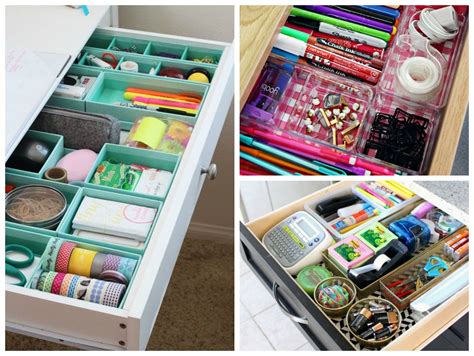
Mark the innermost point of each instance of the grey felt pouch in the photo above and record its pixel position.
(80, 129)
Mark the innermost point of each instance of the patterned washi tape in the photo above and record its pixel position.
(113, 294)
(49, 262)
(41, 280)
(95, 290)
(81, 287)
(111, 262)
(72, 286)
(58, 280)
(66, 283)
(127, 266)
(35, 279)
(64, 255)
(48, 283)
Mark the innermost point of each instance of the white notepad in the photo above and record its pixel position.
(114, 218)
(113, 239)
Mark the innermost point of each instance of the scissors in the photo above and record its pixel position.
(12, 267)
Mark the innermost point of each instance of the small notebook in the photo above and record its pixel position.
(114, 218)
(116, 240)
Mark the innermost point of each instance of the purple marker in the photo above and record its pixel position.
(346, 16)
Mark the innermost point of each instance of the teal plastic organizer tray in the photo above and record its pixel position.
(67, 231)
(127, 155)
(38, 242)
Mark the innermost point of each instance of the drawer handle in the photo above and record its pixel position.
(284, 308)
(211, 171)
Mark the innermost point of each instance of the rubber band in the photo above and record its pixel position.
(107, 55)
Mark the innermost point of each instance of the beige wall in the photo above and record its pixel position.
(216, 204)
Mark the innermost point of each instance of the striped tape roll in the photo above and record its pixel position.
(48, 282)
(66, 283)
(41, 280)
(64, 255)
(72, 286)
(58, 280)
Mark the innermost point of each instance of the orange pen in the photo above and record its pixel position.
(282, 163)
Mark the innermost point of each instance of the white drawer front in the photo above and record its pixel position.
(92, 325)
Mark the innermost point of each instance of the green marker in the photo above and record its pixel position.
(341, 23)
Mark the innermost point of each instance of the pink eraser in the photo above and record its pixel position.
(421, 210)
(78, 164)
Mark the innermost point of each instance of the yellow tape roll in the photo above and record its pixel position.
(81, 262)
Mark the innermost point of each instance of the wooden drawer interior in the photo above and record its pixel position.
(414, 335)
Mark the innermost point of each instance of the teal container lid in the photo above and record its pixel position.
(310, 276)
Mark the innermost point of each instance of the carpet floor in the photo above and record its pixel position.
(197, 312)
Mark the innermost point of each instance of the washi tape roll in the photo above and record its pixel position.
(111, 262)
(48, 282)
(64, 255)
(129, 66)
(113, 294)
(66, 283)
(35, 278)
(41, 280)
(51, 251)
(72, 286)
(95, 290)
(126, 267)
(81, 287)
(58, 280)
(97, 265)
(81, 261)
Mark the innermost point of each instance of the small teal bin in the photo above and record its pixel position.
(71, 103)
(129, 45)
(166, 50)
(55, 144)
(185, 67)
(69, 191)
(100, 40)
(128, 155)
(38, 242)
(110, 89)
(197, 54)
(66, 231)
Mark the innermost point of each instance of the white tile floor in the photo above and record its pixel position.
(262, 325)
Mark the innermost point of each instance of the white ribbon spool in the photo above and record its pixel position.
(129, 66)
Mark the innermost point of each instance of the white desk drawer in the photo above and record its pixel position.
(320, 330)
(95, 326)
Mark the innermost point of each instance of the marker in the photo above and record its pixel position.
(378, 196)
(347, 34)
(325, 10)
(163, 102)
(251, 142)
(395, 189)
(383, 10)
(279, 162)
(372, 51)
(370, 197)
(298, 47)
(272, 168)
(330, 154)
(342, 24)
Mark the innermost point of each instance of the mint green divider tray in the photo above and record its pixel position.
(145, 63)
(160, 49)
(71, 192)
(71, 103)
(195, 54)
(66, 231)
(129, 155)
(112, 85)
(186, 66)
(32, 240)
(124, 44)
(39, 245)
(100, 40)
(55, 144)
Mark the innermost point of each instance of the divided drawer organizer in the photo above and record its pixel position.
(128, 326)
(292, 84)
(331, 332)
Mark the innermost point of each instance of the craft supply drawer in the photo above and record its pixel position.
(321, 331)
(260, 26)
(95, 326)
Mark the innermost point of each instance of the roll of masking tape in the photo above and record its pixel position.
(129, 66)
(81, 262)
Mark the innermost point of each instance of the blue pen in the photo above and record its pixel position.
(383, 10)
(249, 141)
(264, 164)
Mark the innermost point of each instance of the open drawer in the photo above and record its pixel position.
(95, 326)
(327, 333)
(264, 24)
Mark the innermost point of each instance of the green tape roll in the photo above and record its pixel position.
(309, 277)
